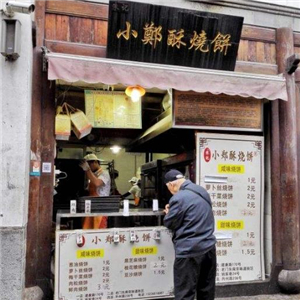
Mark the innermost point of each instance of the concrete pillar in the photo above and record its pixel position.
(289, 277)
(15, 116)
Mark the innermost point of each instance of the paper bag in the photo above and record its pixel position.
(62, 124)
(80, 124)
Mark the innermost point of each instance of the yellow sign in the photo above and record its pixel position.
(144, 250)
(230, 225)
(90, 253)
(233, 169)
(112, 110)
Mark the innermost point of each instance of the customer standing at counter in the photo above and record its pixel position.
(190, 217)
(99, 185)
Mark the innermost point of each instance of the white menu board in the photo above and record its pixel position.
(231, 168)
(124, 263)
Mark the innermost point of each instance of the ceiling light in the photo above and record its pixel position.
(115, 149)
(135, 92)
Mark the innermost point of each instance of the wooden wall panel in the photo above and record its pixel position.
(100, 30)
(62, 28)
(50, 27)
(75, 30)
(257, 52)
(78, 8)
(86, 31)
(252, 53)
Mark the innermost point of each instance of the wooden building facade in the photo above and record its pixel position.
(80, 28)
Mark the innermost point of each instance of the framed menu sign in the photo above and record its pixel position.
(125, 263)
(231, 169)
(222, 112)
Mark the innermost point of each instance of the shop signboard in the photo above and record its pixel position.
(105, 109)
(170, 35)
(124, 263)
(230, 167)
(222, 112)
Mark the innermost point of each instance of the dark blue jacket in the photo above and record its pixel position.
(191, 220)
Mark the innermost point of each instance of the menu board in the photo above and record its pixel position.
(205, 110)
(112, 110)
(230, 168)
(124, 263)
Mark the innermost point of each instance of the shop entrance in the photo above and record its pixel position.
(166, 137)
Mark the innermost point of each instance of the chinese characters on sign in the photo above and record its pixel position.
(103, 269)
(152, 36)
(168, 35)
(230, 167)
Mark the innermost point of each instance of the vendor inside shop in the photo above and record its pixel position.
(102, 159)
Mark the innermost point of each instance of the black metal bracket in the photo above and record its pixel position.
(292, 63)
(45, 60)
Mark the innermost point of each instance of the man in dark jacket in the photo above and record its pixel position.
(189, 215)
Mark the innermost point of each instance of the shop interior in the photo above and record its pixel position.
(146, 152)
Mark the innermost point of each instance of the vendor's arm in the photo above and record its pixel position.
(174, 216)
(126, 195)
(93, 178)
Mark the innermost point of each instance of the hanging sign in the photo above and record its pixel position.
(169, 35)
(222, 112)
(112, 110)
(230, 167)
(120, 263)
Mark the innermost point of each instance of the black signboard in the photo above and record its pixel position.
(168, 35)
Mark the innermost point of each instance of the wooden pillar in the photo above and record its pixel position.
(288, 169)
(276, 187)
(36, 125)
(297, 80)
(39, 227)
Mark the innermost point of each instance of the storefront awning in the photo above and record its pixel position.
(73, 68)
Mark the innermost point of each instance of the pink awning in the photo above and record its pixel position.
(73, 68)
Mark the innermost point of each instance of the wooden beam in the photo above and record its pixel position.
(261, 34)
(76, 48)
(257, 68)
(78, 8)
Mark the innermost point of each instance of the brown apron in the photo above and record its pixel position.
(94, 222)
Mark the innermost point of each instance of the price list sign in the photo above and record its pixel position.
(130, 263)
(230, 168)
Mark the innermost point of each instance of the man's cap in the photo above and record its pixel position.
(91, 156)
(173, 175)
(133, 179)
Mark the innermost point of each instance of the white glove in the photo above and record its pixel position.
(85, 166)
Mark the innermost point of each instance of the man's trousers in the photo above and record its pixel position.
(195, 275)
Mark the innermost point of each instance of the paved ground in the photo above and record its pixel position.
(264, 297)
